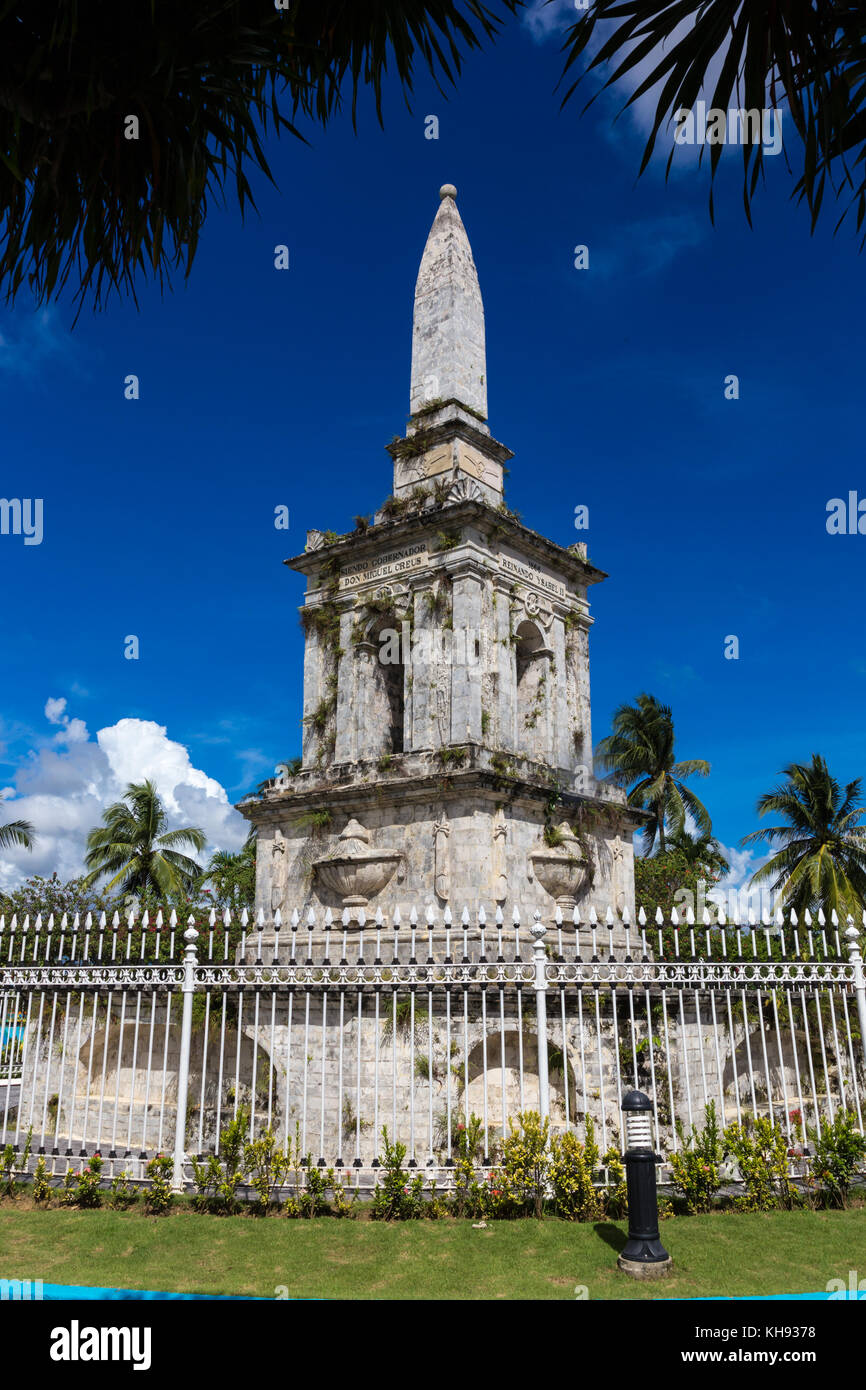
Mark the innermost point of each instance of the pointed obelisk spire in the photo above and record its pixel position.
(448, 351)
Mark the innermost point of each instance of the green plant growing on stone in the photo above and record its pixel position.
(695, 1167)
(838, 1149)
(448, 540)
(451, 757)
(399, 1018)
(323, 619)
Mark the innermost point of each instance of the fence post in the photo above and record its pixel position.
(538, 931)
(190, 961)
(854, 952)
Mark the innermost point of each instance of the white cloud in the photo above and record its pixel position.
(547, 19)
(54, 710)
(733, 891)
(64, 790)
(646, 248)
(71, 730)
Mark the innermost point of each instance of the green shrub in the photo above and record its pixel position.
(525, 1164)
(468, 1196)
(761, 1151)
(121, 1194)
(838, 1149)
(14, 1166)
(81, 1189)
(265, 1168)
(695, 1168)
(42, 1188)
(217, 1179)
(159, 1196)
(572, 1167)
(397, 1197)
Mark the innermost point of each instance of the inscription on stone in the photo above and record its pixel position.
(395, 562)
(533, 574)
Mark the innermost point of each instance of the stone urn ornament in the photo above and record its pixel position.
(354, 872)
(560, 868)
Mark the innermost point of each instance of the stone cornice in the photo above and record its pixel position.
(393, 533)
(422, 777)
(423, 790)
(428, 437)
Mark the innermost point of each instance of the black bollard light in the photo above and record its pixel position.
(643, 1255)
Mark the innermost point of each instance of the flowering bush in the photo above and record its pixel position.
(468, 1195)
(81, 1189)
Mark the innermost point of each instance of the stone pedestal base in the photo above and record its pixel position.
(639, 1269)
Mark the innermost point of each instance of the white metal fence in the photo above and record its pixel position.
(133, 1037)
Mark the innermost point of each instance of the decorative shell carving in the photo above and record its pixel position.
(465, 490)
(315, 540)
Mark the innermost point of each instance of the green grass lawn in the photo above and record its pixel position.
(786, 1252)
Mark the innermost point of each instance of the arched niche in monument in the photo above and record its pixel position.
(531, 653)
(386, 673)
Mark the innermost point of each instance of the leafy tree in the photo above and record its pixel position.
(47, 895)
(120, 123)
(639, 754)
(660, 880)
(136, 849)
(17, 832)
(233, 876)
(821, 860)
(809, 58)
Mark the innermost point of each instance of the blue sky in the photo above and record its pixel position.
(261, 388)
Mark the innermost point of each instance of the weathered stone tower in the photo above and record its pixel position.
(447, 747)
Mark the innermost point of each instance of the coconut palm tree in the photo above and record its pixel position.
(233, 876)
(17, 832)
(136, 849)
(639, 754)
(745, 55)
(821, 855)
(118, 134)
(699, 849)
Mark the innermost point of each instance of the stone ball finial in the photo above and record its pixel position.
(447, 191)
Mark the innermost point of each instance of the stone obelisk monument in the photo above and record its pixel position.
(447, 745)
